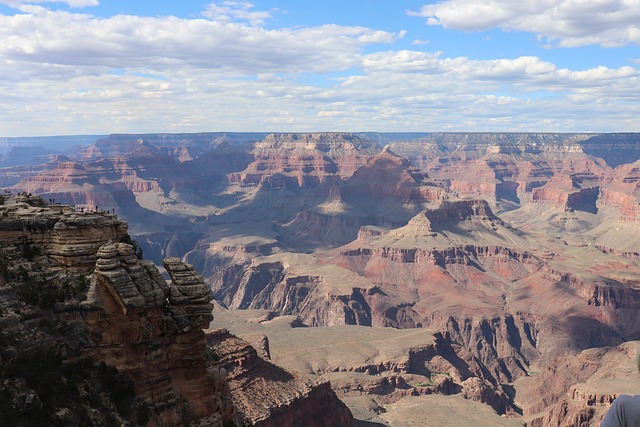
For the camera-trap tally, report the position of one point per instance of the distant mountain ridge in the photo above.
(615, 148)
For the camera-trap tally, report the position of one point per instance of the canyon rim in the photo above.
(377, 278)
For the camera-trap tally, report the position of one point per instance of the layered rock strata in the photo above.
(459, 269)
(152, 332)
(265, 395)
(309, 158)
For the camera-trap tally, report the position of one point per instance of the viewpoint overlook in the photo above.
(319, 279)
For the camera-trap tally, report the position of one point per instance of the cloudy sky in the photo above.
(111, 66)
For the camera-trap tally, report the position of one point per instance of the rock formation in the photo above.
(265, 395)
(337, 153)
(74, 293)
(386, 191)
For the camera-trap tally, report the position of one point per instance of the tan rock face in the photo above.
(268, 396)
(304, 160)
(68, 237)
(586, 384)
(189, 297)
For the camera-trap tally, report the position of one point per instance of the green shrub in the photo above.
(29, 251)
(76, 386)
(45, 294)
(133, 242)
(35, 201)
(120, 391)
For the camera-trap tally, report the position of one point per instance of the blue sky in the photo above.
(92, 67)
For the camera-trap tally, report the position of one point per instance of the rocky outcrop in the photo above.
(304, 160)
(69, 237)
(563, 194)
(189, 296)
(265, 395)
(584, 386)
(152, 333)
(129, 320)
(269, 285)
(131, 284)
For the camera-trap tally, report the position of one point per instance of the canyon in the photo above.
(495, 277)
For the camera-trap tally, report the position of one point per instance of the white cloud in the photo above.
(70, 73)
(62, 38)
(526, 74)
(571, 23)
(228, 11)
(380, 37)
(395, 91)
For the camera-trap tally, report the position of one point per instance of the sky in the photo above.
(73, 67)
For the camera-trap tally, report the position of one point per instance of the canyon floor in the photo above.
(349, 357)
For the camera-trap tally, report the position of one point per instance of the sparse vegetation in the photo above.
(432, 379)
(6, 194)
(29, 250)
(45, 294)
(35, 201)
(133, 242)
(210, 354)
(61, 393)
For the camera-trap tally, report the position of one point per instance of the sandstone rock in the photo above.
(252, 383)
(189, 297)
(586, 383)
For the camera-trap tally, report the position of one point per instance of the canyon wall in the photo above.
(72, 289)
